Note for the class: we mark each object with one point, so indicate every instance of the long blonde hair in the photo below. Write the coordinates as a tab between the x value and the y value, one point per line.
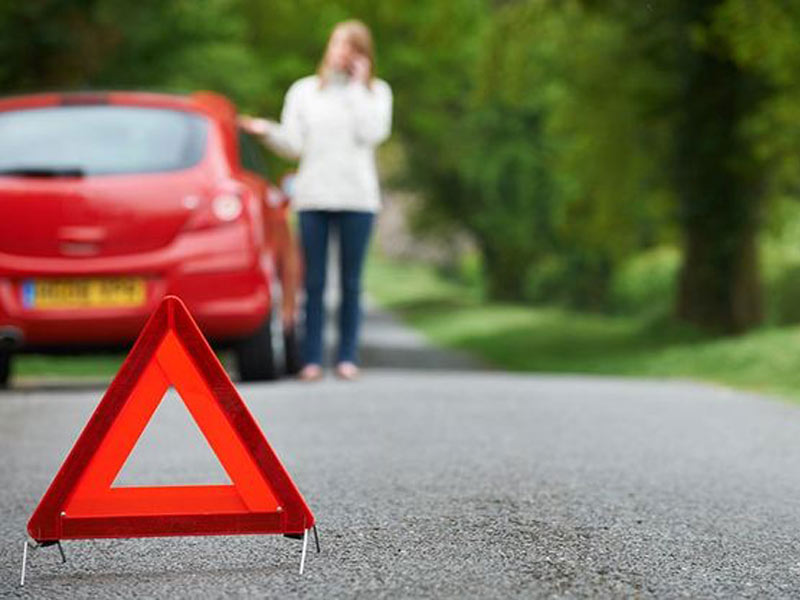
359	37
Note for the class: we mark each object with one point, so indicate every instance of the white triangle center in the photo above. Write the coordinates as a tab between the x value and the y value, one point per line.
171	451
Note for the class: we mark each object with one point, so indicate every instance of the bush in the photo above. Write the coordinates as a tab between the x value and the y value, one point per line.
545	280
574	279
780	262
783	296
645	284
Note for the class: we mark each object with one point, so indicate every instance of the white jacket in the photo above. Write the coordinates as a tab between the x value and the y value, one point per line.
334	130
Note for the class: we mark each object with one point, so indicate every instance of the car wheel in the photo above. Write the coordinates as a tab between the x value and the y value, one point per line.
5	368
255	356
291	351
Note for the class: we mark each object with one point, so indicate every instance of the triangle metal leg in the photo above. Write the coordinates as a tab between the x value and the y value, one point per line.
32	545
305	549
61	550
316	538
24	562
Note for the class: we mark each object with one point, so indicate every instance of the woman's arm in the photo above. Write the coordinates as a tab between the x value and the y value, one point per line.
286	137
372	111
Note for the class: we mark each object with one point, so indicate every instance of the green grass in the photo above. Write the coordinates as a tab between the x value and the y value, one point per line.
85	365
526	338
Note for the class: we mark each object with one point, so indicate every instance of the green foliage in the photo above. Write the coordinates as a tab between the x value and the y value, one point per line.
785	296
764	37
52	44
507	194
781	264
560	177
567	136
645	284
570	279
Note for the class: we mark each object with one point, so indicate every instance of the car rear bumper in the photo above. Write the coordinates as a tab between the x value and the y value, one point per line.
228	294
237	311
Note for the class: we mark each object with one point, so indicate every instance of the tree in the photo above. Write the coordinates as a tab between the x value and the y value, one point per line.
583	190
720	183
150	44
715	170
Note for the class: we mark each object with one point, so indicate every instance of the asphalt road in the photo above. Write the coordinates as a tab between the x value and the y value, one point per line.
446	482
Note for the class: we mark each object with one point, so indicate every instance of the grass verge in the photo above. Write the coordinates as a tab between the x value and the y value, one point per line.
34	366
535	339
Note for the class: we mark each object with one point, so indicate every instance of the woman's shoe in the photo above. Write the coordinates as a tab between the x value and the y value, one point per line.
347	371
310	372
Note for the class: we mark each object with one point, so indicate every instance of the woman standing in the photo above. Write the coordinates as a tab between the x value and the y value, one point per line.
332	122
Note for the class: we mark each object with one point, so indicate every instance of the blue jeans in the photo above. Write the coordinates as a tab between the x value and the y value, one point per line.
353	230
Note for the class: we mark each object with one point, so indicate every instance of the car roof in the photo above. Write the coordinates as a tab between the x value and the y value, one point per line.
212	104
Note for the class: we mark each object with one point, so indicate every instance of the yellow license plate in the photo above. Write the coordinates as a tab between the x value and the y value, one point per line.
111	292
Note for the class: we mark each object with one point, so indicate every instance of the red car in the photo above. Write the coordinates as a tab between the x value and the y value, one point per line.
109	201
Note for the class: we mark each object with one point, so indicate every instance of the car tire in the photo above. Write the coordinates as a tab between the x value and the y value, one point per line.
254	355
291	352
5	368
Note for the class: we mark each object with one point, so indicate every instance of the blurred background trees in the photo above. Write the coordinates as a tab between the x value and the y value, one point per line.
597	152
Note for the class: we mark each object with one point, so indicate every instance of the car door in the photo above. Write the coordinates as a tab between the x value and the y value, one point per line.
279	241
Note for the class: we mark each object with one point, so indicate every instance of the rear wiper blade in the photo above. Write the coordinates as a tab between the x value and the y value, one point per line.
43	172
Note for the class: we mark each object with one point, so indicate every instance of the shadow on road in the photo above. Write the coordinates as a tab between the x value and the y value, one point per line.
387	343
427	359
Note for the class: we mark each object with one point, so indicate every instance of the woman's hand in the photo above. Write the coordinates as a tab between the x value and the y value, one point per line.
359	69
253	125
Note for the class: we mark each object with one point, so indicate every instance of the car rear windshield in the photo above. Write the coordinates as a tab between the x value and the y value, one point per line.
100	140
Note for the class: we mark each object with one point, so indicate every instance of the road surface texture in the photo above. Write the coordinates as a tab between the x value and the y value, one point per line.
446	482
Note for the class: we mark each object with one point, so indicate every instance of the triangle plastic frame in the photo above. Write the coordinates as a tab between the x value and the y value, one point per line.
81	502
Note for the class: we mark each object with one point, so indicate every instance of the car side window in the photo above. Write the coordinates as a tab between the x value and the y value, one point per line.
250	154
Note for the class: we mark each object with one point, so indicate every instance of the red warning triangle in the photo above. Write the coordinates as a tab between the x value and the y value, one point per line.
171	350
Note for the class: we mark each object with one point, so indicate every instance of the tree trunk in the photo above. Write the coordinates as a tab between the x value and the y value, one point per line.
504	275
720	285
719	185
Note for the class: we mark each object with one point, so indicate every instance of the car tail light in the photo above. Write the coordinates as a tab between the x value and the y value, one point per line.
224	208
